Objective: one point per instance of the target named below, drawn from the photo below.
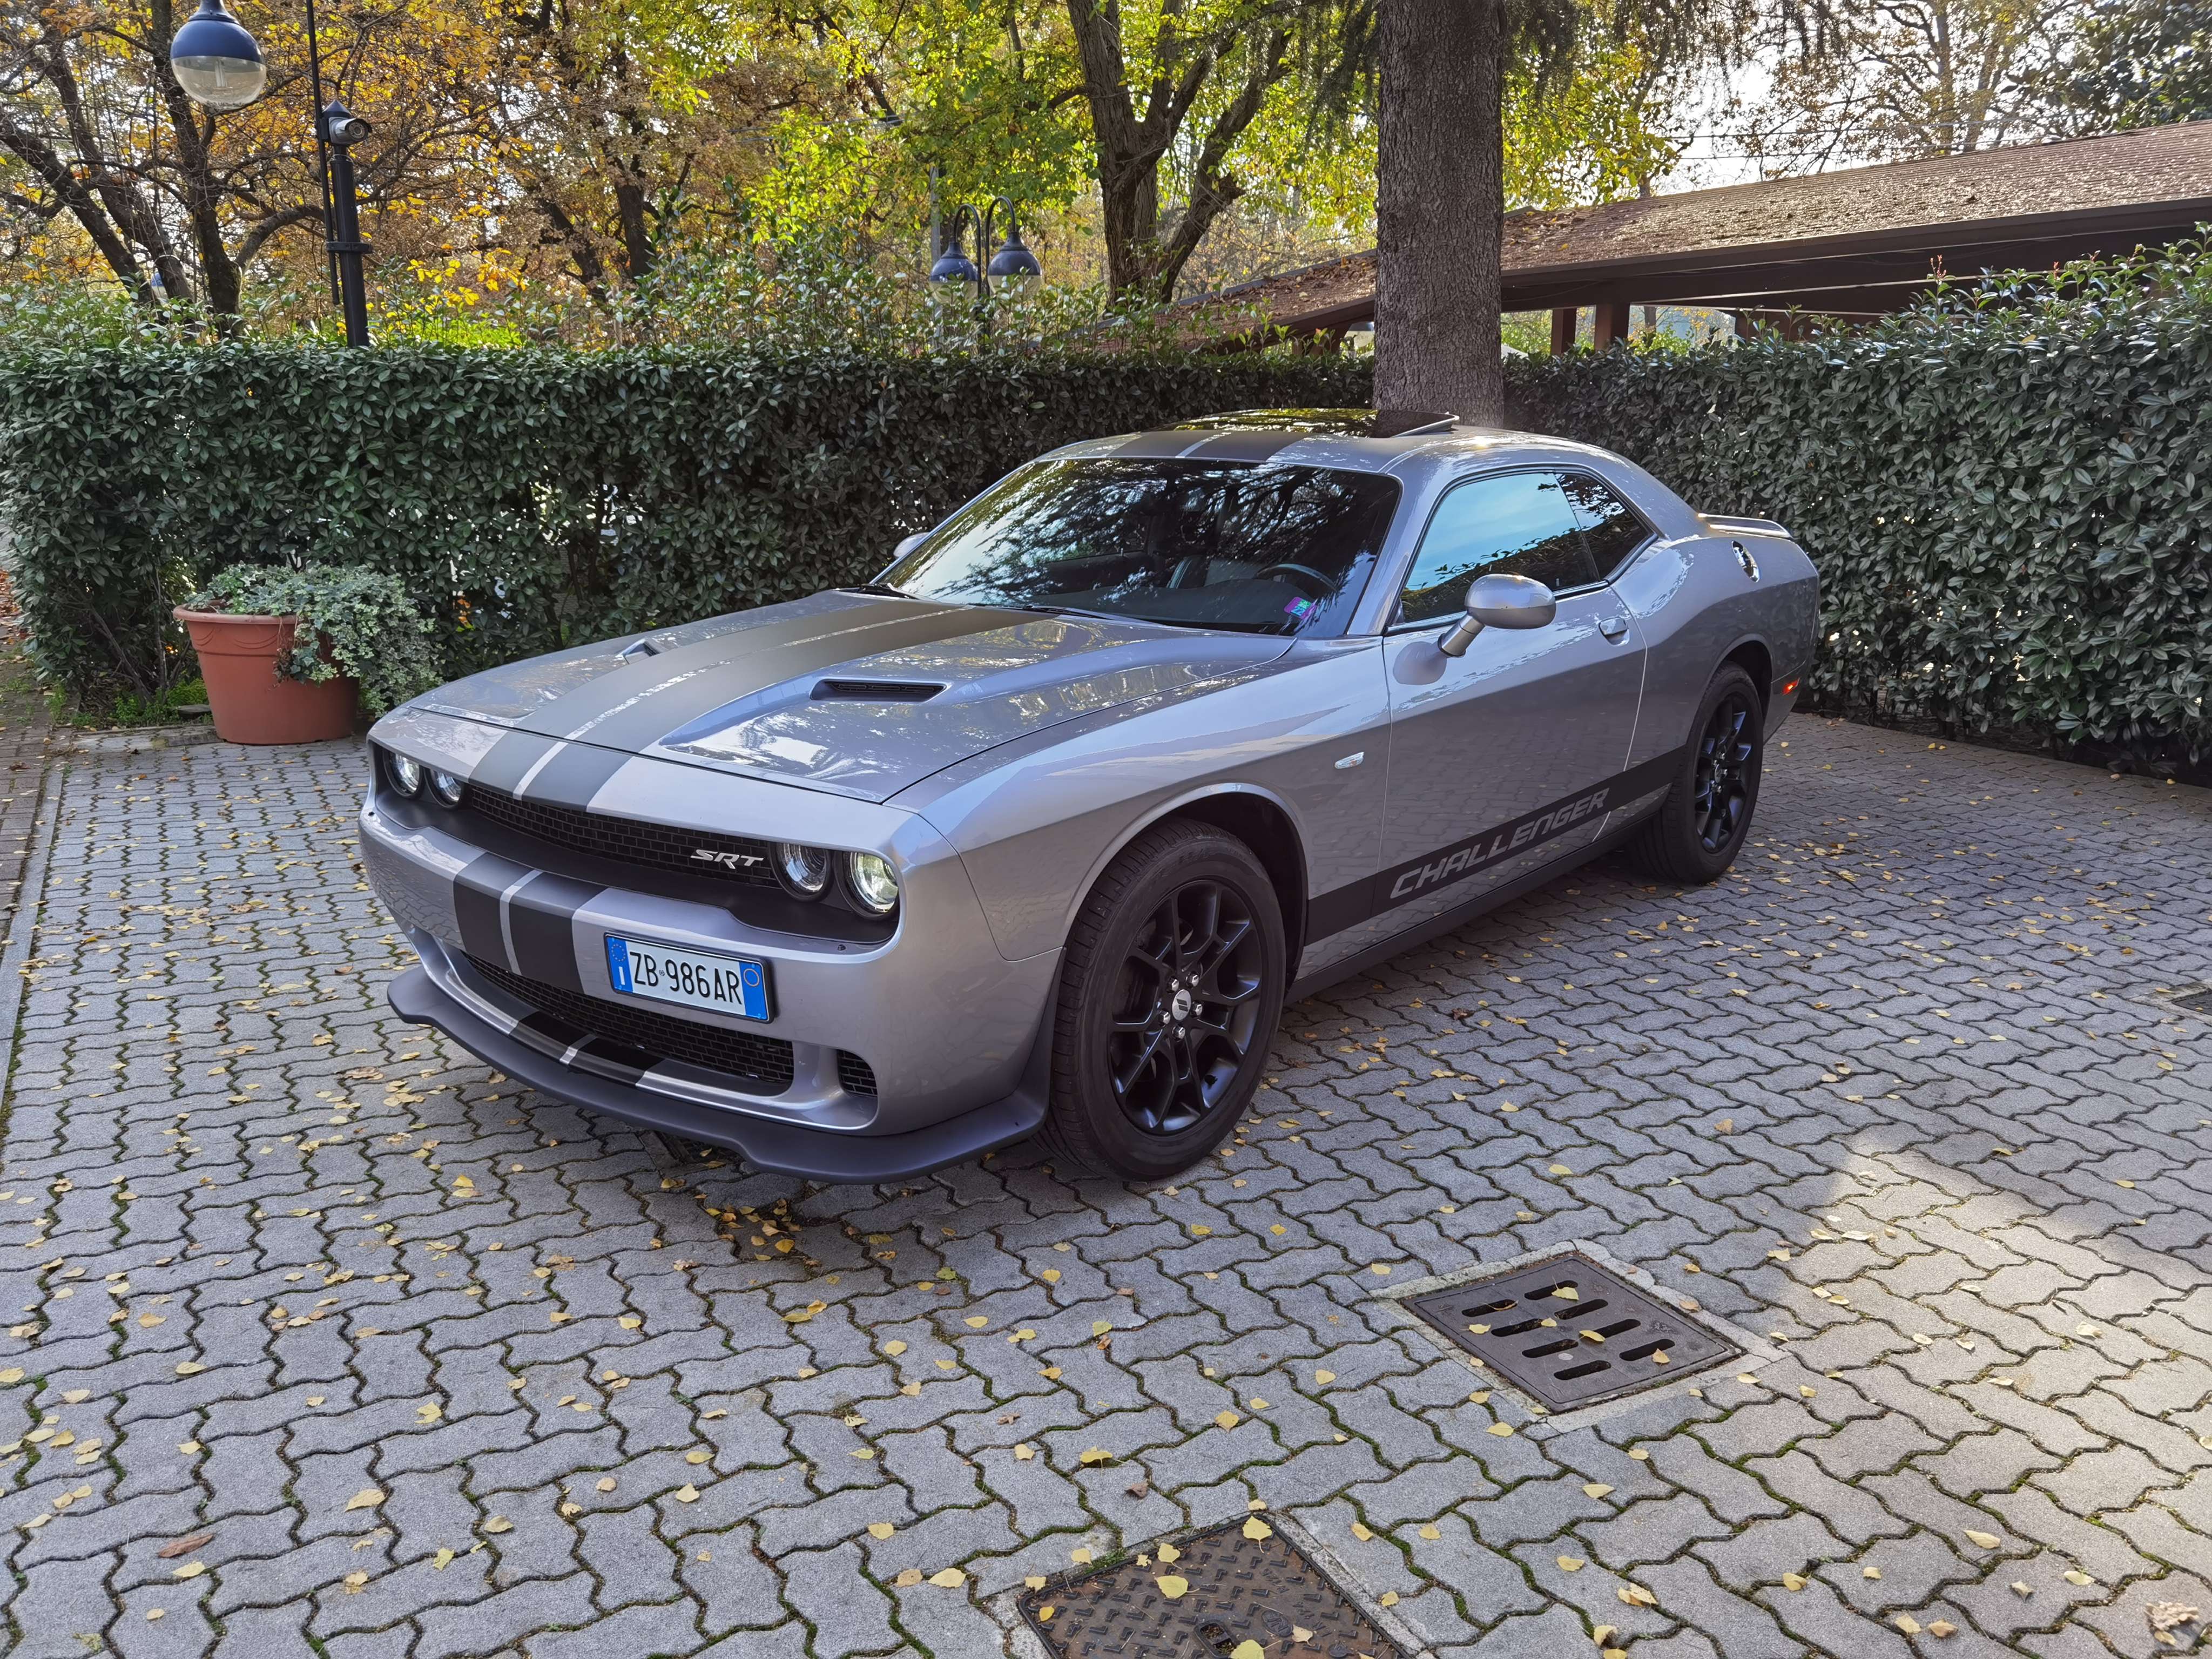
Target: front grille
(655, 845)
(763, 1060)
(854, 1075)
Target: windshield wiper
(1067, 611)
(884, 588)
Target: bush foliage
(355, 623)
(2009, 496)
(2007, 493)
(528, 498)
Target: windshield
(1266, 550)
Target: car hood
(850, 692)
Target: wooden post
(1612, 323)
(1563, 330)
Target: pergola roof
(1864, 241)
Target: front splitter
(783, 1148)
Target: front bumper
(784, 1148)
(881, 1059)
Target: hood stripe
(576, 772)
(580, 714)
(637, 716)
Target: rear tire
(1170, 993)
(1702, 825)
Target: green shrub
(2009, 496)
(527, 498)
(356, 623)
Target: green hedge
(530, 498)
(2009, 498)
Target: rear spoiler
(1720, 524)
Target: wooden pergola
(1848, 244)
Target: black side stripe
(1359, 901)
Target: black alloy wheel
(1169, 989)
(1720, 794)
(1186, 1005)
(1699, 829)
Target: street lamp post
(220, 67)
(1011, 266)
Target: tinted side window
(1519, 523)
(1611, 524)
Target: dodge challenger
(1037, 832)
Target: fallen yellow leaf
(366, 1498)
(1172, 1587)
(1256, 1529)
(951, 1578)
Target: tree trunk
(636, 235)
(1440, 207)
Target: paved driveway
(326, 1340)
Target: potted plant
(287, 652)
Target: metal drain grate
(1570, 1333)
(2197, 999)
(1262, 1590)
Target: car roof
(1401, 442)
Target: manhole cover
(1261, 1591)
(1570, 1333)
(2197, 999)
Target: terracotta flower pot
(253, 702)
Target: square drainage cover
(1251, 1598)
(1569, 1333)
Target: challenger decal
(1471, 856)
(1359, 901)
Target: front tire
(1169, 997)
(1702, 825)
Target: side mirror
(907, 544)
(1498, 600)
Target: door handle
(1613, 628)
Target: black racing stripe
(1247, 446)
(541, 919)
(615, 1060)
(1160, 446)
(673, 702)
(508, 761)
(1359, 901)
(475, 904)
(574, 775)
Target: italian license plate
(694, 979)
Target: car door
(1503, 759)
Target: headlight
(873, 883)
(405, 773)
(803, 870)
(447, 787)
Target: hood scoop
(875, 690)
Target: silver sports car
(1038, 831)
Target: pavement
(326, 1340)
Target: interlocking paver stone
(1926, 1003)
